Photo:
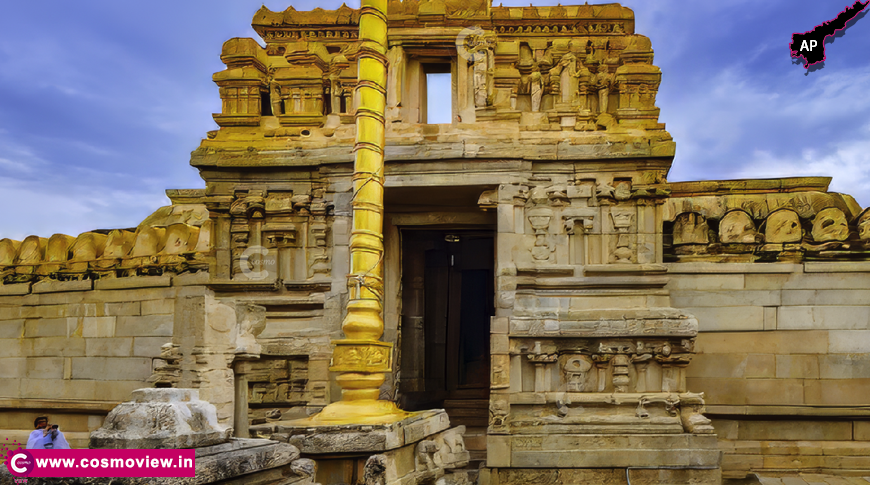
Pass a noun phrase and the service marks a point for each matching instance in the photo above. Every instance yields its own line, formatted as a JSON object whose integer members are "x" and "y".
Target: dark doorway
{"x": 447, "y": 302}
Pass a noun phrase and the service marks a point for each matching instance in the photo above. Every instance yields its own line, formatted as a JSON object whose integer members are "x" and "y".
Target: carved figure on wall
{"x": 624, "y": 249}
{"x": 536, "y": 88}
{"x": 585, "y": 89}
{"x": 275, "y": 98}
{"x": 480, "y": 93}
{"x": 603, "y": 83}
{"x": 569, "y": 78}
{"x": 483, "y": 73}
{"x": 737, "y": 227}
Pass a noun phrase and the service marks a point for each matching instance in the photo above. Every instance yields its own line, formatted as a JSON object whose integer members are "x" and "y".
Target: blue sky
{"x": 101, "y": 102}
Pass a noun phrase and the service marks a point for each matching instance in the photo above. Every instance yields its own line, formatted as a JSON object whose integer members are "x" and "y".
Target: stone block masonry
{"x": 72, "y": 352}
{"x": 787, "y": 388}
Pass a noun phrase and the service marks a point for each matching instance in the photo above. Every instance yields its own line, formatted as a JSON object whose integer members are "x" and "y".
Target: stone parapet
{"x": 174, "y": 239}
{"x": 781, "y": 220}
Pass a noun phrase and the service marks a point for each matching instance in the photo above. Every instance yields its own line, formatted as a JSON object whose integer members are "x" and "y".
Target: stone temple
{"x": 578, "y": 318}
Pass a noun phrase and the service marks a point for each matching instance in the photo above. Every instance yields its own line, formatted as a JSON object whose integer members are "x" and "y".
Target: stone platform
{"x": 419, "y": 449}
{"x": 316, "y": 440}
{"x": 568, "y": 459}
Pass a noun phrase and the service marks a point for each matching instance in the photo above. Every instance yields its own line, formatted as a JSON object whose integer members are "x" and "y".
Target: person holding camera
{"x": 46, "y": 436}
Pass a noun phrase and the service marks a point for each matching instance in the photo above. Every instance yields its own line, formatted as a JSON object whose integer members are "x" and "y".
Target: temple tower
{"x": 523, "y": 265}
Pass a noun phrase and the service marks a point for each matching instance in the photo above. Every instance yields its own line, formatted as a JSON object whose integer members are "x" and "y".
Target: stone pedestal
{"x": 182, "y": 421}
{"x": 420, "y": 449}
{"x": 167, "y": 418}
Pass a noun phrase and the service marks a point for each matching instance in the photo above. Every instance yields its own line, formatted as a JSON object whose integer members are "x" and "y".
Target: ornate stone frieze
{"x": 763, "y": 220}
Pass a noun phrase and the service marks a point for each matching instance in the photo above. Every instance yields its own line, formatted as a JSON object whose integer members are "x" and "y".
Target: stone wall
{"x": 782, "y": 359}
{"x": 75, "y": 349}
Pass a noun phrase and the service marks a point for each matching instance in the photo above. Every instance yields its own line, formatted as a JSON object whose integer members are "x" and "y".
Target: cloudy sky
{"x": 101, "y": 102}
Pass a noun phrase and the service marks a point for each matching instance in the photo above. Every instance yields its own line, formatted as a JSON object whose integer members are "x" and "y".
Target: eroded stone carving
{"x": 539, "y": 218}
{"x": 305, "y": 468}
{"x": 375, "y": 471}
{"x": 737, "y": 227}
{"x": 251, "y": 322}
{"x": 576, "y": 369}
{"x": 830, "y": 225}
{"x": 783, "y": 226}
{"x": 691, "y": 229}
{"x": 864, "y": 226}
{"x": 161, "y": 418}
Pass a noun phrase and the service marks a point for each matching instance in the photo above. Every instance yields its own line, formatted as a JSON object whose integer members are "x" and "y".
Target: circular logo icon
{"x": 252, "y": 263}
{"x": 471, "y": 44}
{"x": 20, "y": 463}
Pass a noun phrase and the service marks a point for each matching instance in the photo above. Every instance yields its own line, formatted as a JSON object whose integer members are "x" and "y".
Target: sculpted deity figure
{"x": 275, "y": 98}
{"x": 536, "y": 88}
{"x": 483, "y": 72}
{"x": 585, "y": 80}
{"x": 567, "y": 73}
{"x": 603, "y": 82}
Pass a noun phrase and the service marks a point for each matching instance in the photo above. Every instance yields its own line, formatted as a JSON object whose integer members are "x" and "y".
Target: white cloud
{"x": 847, "y": 162}
{"x": 740, "y": 124}
{"x": 48, "y": 208}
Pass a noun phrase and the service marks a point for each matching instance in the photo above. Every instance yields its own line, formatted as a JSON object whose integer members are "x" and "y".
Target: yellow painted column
{"x": 361, "y": 359}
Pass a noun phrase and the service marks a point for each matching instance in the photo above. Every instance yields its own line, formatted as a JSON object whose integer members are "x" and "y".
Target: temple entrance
{"x": 447, "y": 301}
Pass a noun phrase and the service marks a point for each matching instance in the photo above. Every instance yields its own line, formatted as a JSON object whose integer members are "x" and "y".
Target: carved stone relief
{"x": 691, "y": 228}
{"x": 251, "y": 321}
{"x": 624, "y": 247}
{"x": 737, "y": 227}
{"x": 576, "y": 369}
{"x": 539, "y": 218}
{"x": 783, "y": 226}
{"x": 830, "y": 225}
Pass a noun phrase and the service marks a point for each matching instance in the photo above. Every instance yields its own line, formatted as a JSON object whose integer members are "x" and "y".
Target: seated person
{"x": 46, "y": 437}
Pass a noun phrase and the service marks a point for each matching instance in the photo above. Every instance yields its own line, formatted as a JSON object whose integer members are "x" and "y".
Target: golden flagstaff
{"x": 362, "y": 359}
